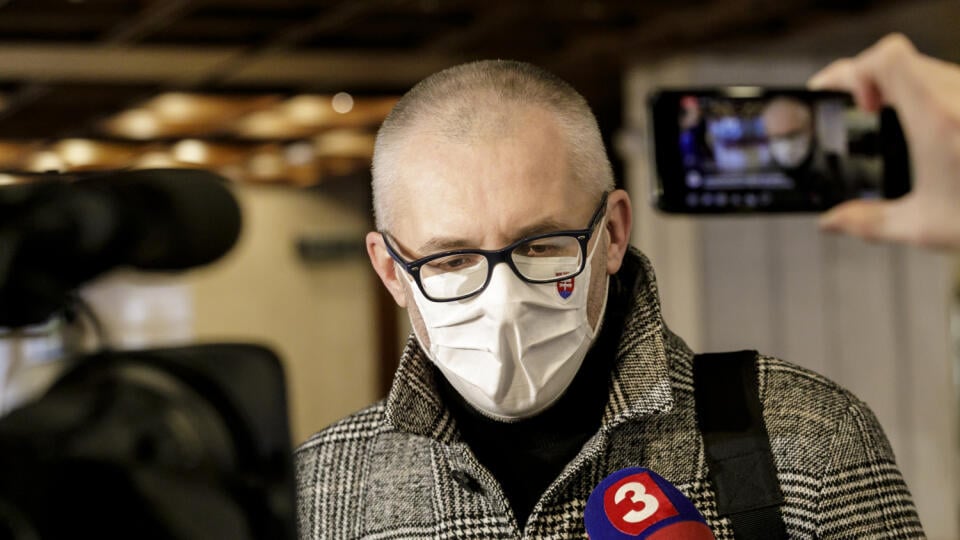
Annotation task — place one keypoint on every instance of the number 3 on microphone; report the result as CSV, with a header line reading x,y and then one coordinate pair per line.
x,y
635,503
648,504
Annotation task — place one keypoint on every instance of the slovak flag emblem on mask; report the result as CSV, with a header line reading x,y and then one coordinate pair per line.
x,y
565,288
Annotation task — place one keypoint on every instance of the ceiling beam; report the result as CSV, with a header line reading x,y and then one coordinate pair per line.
x,y
153,17
93,63
156,15
179,66
489,20
674,26
345,13
288,38
343,69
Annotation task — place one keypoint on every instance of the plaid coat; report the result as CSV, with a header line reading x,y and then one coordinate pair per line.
x,y
399,469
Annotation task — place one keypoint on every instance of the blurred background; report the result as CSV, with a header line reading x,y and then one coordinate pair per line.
x,y
283,97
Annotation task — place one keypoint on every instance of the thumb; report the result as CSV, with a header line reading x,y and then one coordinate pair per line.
x,y
837,75
867,219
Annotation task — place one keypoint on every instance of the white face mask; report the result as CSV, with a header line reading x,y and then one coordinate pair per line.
x,y
512,350
790,152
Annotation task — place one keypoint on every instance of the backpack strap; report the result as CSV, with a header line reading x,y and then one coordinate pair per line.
x,y
736,445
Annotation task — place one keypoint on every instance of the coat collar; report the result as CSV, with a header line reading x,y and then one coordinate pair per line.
x,y
639,386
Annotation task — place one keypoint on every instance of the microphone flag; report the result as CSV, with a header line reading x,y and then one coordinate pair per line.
x,y
638,504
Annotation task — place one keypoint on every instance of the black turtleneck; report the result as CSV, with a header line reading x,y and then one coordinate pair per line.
x,y
527,455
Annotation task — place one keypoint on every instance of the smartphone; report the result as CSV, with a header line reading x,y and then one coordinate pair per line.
x,y
746,149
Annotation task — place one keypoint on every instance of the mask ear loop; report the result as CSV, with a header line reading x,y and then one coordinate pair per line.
x,y
606,290
400,273
603,229
415,296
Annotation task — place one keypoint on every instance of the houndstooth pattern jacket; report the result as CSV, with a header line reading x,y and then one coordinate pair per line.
x,y
400,470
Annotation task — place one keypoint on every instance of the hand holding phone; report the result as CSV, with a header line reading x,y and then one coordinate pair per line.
x,y
925,92
753,149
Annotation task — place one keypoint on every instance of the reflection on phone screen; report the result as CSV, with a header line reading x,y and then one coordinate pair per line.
x,y
777,151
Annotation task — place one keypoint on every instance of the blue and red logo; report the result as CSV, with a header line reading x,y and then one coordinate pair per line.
x,y
565,288
638,504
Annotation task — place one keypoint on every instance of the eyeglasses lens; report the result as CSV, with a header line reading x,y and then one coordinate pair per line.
x,y
454,275
548,259
542,260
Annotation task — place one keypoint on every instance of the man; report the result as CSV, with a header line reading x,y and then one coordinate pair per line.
x,y
540,362
788,124
791,134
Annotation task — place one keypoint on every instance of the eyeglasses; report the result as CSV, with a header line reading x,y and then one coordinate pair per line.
x,y
543,258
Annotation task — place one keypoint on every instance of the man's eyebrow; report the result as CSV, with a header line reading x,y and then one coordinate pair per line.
x,y
546,226
439,243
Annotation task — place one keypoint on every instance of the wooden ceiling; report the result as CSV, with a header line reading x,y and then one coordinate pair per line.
x,y
68,65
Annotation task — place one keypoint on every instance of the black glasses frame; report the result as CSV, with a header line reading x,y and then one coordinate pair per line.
x,y
497,256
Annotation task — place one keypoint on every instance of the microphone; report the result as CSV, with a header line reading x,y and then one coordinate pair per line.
x,y
56,235
638,504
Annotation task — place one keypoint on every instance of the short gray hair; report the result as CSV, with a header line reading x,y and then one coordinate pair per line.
x,y
463,99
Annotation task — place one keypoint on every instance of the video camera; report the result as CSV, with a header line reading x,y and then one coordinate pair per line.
x,y
178,443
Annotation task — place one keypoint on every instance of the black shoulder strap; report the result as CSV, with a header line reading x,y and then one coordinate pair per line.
x,y
736,444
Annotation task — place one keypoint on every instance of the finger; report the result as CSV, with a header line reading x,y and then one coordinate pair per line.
x,y
888,65
847,74
875,76
833,77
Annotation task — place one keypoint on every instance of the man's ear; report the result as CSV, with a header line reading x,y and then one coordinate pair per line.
x,y
619,219
386,267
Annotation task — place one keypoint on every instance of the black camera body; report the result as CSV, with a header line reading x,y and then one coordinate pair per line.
x,y
182,443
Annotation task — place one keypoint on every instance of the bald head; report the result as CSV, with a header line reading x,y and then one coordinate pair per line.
x,y
478,102
785,116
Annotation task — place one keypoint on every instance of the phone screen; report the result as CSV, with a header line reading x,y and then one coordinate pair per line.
x,y
732,150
